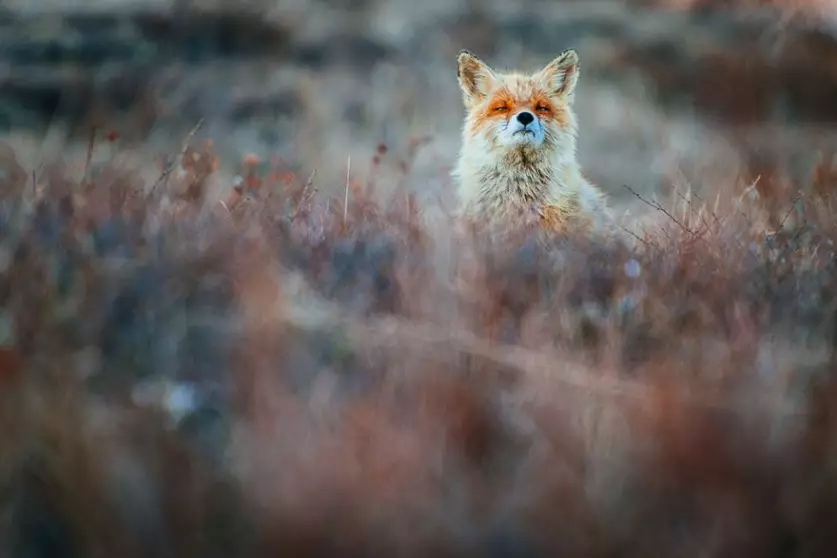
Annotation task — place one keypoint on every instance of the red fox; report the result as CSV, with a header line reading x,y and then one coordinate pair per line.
x,y
518,154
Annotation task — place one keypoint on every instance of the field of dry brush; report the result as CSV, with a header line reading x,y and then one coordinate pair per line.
x,y
234,332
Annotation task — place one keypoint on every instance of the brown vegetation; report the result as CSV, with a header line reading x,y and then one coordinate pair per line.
x,y
201,360
356,397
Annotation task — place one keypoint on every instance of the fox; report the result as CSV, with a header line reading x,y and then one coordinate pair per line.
x,y
518,155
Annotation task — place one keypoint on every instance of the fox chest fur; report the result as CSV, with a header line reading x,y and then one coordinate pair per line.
x,y
516,189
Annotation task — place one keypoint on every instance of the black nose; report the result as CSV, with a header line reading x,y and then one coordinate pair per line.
x,y
525,118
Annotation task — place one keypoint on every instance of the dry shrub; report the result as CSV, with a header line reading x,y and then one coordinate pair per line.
x,y
281,372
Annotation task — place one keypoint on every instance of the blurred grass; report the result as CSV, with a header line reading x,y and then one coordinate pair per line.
x,y
275,372
204,354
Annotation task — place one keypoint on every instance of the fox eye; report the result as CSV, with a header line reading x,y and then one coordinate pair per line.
x,y
501,108
542,108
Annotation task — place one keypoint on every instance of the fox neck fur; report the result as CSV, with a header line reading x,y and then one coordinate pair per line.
x,y
521,179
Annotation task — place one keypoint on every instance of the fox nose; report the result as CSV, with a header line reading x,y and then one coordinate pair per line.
x,y
525,118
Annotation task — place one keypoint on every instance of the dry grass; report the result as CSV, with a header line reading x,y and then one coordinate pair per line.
x,y
281,358
279,372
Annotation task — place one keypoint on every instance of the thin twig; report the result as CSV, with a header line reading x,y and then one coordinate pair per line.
x,y
692,208
642,240
175,162
790,210
714,215
661,209
91,143
304,197
706,205
740,199
346,196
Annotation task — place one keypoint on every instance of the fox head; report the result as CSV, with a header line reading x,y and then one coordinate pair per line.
x,y
517,113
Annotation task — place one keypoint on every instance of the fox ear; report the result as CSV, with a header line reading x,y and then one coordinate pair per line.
x,y
475,77
562,74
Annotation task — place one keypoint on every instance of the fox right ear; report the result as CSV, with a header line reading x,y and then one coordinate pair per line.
x,y
562,74
475,77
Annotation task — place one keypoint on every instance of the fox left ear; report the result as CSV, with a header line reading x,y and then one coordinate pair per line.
x,y
475,77
562,75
